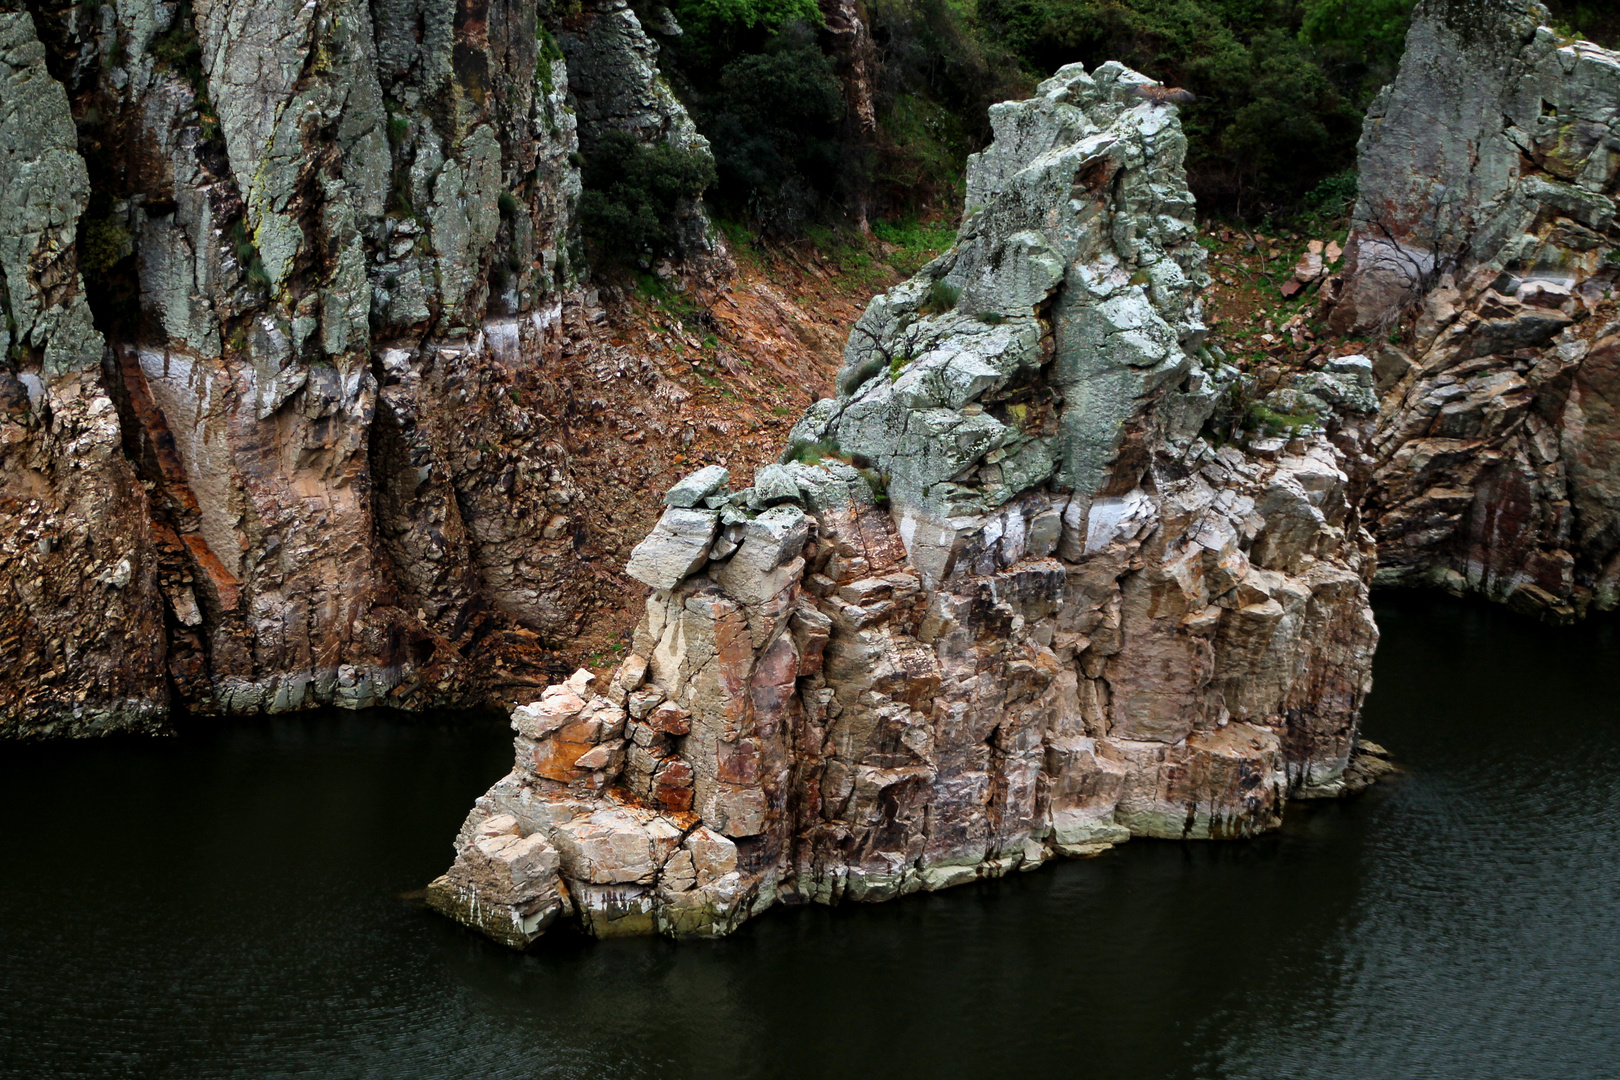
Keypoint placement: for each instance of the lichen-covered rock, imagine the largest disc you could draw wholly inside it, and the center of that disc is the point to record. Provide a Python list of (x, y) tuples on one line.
[(1042, 615), (1486, 227), (81, 621), (329, 244)]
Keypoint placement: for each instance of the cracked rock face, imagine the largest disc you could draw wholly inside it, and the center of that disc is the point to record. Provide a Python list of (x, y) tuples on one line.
[(81, 642), (331, 238), (1487, 219), (1000, 602)]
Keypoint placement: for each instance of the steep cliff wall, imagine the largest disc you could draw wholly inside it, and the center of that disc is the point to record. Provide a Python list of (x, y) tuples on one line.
[(1000, 601), (1486, 229), (325, 418), (81, 639)]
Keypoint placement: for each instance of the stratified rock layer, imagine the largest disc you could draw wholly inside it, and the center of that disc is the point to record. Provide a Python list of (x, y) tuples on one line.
[(999, 602), (1486, 227)]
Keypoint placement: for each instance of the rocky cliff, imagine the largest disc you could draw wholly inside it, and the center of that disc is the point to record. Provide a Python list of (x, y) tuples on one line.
[(1485, 235), (1001, 600), (303, 401)]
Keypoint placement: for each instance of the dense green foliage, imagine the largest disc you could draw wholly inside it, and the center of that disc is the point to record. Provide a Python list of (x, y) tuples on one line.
[(774, 127), (767, 85), (719, 30), (1282, 86), (633, 196)]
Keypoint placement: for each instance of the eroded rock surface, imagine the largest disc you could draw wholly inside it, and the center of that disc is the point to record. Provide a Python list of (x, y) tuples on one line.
[(81, 624), (317, 452), (1486, 228), (999, 602)]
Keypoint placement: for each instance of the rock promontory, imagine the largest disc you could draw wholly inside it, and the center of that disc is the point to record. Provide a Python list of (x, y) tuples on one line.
[(1006, 598)]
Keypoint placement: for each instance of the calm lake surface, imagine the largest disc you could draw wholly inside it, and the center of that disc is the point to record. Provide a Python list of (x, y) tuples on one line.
[(228, 904)]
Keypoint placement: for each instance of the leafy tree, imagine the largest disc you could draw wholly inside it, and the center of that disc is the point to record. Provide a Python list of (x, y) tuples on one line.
[(717, 30), (633, 195), (774, 127), (1358, 42)]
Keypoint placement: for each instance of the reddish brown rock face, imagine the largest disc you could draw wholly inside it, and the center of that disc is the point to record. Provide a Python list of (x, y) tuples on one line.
[(329, 383)]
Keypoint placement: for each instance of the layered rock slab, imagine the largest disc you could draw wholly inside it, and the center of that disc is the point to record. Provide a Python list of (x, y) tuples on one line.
[(1485, 230), (999, 602)]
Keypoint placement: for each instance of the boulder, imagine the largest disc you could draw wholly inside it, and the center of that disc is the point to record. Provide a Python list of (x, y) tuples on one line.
[(677, 547)]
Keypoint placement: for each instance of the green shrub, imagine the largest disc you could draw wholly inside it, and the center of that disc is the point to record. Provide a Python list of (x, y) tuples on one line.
[(715, 30), (942, 297), (813, 453), (878, 484), (633, 194), (178, 48), (1265, 420)]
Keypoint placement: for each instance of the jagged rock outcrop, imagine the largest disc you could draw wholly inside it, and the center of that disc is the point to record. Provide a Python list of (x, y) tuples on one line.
[(1000, 601), (1486, 221), (619, 88), (295, 455)]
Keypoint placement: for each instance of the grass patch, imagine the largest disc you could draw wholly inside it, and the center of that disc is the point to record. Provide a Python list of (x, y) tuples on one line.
[(1264, 420), (941, 298), (918, 244)]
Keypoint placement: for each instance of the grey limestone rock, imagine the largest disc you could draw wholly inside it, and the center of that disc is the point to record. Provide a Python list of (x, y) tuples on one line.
[(698, 486), (677, 546), (43, 189), (1077, 256)]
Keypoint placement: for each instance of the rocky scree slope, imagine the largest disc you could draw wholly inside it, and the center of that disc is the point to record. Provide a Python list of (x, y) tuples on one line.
[(300, 402), (1486, 232), (1000, 600)]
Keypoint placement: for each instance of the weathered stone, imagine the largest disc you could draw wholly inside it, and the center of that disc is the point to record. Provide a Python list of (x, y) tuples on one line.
[(1482, 224), (677, 547), (698, 486), (1055, 636)]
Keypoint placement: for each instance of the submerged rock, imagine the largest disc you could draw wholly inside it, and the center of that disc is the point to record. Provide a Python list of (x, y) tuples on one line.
[(1486, 225), (1001, 601)]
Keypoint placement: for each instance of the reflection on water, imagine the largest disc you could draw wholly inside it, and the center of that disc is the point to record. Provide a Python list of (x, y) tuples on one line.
[(228, 904)]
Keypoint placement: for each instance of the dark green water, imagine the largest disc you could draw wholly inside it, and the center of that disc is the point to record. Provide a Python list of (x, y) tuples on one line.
[(227, 905)]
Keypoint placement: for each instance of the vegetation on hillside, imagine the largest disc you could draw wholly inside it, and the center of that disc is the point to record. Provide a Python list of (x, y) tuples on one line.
[(1282, 86)]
